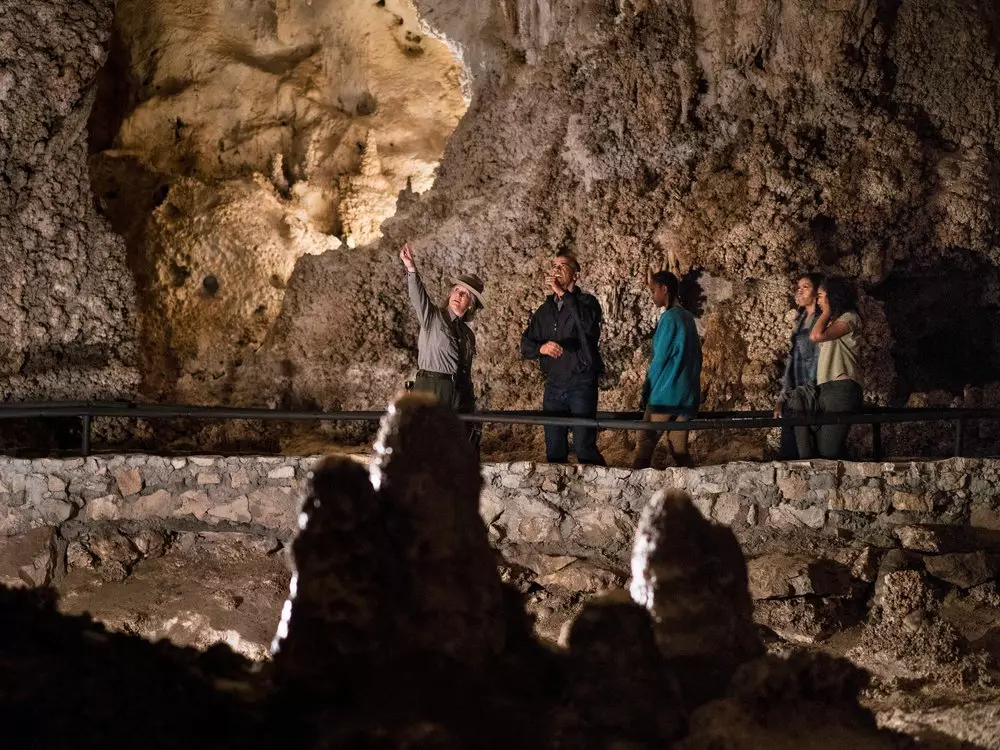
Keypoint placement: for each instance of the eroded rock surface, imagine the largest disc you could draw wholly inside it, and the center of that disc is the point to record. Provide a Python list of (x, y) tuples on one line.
[(690, 574), (719, 140), (67, 304), (231, 140)]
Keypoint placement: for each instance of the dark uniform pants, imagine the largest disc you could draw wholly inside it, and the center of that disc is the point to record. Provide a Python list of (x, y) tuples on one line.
[(455, 391)]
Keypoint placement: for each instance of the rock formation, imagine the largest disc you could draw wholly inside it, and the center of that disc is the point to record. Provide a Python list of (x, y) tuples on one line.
[(398, 634), (729, 142), (67, 307), (230, 140), (690, 574)]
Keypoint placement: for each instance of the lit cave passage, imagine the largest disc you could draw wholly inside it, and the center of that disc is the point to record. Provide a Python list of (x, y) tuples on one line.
[(229, 140), (205, 204)]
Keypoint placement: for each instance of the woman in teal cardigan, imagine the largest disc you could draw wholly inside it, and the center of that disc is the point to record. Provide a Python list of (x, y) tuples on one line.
[(672, 390)]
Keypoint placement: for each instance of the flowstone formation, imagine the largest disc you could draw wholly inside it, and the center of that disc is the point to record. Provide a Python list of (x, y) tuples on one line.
[(229, 140), (737, 143), (398, 633), (67, 302)]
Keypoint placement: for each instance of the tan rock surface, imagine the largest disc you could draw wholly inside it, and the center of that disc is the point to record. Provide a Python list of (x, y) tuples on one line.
[(231, 140), (718, 141)]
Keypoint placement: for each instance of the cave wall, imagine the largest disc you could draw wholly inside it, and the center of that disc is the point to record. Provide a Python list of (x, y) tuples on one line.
[(231, 139), (745, 142), (67, 298), (247, 154)]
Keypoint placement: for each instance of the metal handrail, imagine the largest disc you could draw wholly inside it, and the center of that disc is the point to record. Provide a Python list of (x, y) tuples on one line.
[(709, 420)]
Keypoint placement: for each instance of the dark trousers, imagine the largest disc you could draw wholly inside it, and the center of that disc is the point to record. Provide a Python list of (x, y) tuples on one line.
[(830, 440), (788, 448), (576, 398), (455, 392)]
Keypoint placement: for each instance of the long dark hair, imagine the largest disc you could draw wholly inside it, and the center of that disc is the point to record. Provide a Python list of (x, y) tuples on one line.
[(841, 295)]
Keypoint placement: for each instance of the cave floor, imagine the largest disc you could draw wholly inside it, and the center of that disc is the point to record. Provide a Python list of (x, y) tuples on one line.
[(212, 587), (218, 587)]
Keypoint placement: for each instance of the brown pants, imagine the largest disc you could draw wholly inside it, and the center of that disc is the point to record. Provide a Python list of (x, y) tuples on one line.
[(677, 442)]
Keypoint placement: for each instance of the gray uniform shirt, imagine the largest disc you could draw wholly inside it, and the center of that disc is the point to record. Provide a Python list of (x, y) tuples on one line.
[(446, 343)]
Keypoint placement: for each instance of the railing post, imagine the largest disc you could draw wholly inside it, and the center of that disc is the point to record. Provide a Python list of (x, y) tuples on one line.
[(85, 438), (877, 452), (959, 429)]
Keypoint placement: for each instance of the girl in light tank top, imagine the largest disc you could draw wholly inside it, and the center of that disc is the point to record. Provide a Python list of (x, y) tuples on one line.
[(838, 372)]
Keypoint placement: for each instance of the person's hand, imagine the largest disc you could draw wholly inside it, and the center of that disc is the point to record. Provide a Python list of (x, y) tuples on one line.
[(406, 255), (823, 301), (555, 286), (777, 411), (551, 349)]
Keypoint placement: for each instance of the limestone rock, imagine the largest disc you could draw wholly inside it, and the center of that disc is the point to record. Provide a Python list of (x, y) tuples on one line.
[(865, 565), (581, 576), (112, 546), (129, 481), (690, 574), (865, 499), (237, 511), (112, 571), (151, 543), (614, 664), (67, 300), (964, 570), (282, 472), (788, 516), (808, 619), (30, 559), (159, 504), (101, 509), (938, 538), (920, 503), (78, 556), (54, 511), (428, 485), (334, 608), (527, 556), (805, 700), (893, 561), (780, 575), (195, 503), (906, 625), (222, 185), (393, 565), (273, 507)]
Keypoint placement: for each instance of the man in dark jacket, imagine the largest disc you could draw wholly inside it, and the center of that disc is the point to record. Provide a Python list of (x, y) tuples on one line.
[(564, 334)]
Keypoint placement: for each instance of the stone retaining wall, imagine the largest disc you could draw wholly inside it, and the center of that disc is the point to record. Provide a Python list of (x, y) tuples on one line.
[(558, 510), (259, 493), (592, 511)]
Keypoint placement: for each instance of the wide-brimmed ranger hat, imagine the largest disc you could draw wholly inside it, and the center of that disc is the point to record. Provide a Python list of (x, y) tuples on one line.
[(473, 285)]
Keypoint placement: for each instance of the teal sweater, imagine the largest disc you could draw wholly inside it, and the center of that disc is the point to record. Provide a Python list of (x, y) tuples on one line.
[(673, 380)]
